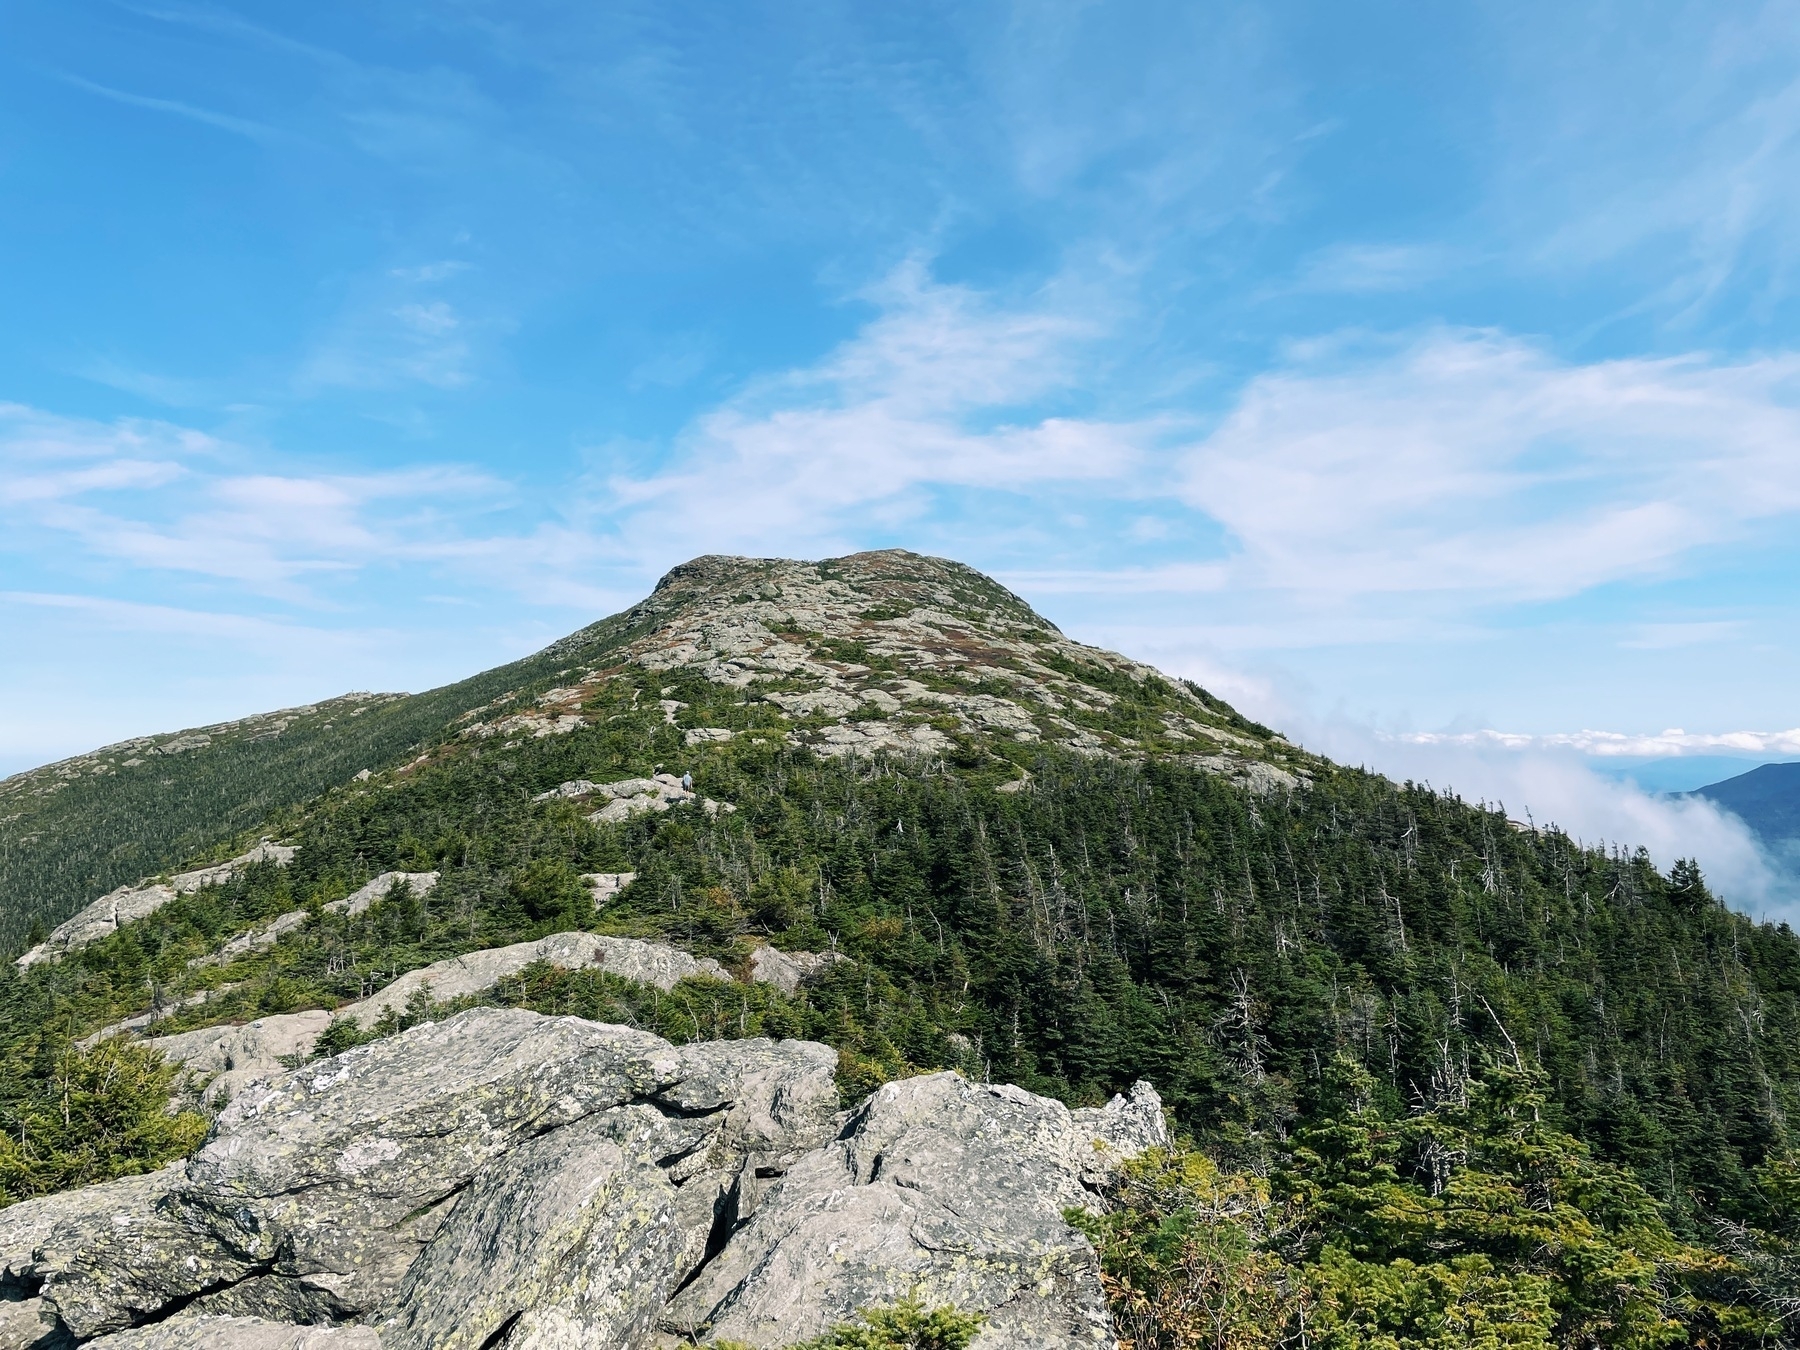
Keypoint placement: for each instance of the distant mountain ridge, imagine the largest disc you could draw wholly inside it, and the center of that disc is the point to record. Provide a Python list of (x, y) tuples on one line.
[(1767, 799)]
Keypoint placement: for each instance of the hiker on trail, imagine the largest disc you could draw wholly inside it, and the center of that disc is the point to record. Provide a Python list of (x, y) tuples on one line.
[(687, 782)]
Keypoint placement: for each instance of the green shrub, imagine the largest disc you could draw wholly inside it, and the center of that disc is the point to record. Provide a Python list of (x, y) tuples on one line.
[(81, 1116), (907, 1325)]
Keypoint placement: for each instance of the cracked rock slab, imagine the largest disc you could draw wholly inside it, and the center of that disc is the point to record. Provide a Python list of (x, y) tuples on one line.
[(568, 1240), (939, 1187), (331, 1175), (318, 1189), (238, 1333), (419, 883), (790, 971), (129, 903)]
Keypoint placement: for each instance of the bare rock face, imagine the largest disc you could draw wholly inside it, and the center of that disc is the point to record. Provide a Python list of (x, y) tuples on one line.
[(122, 906), (318, 1190), (569, 1239), (790, 971), (419, 883), (507, 1178), (939, 1187), (629, 958), (31, 1226), (238, 1333), (231, 1057), (606, 886)]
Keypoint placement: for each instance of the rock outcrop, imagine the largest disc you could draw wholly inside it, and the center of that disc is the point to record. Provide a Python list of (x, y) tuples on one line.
[(891, 652), (629, 958), (505, 1177), (238, 1333), (103, 917), (419, 883), (790, 971), (607, 885), (229, 1057), (937, 1187)]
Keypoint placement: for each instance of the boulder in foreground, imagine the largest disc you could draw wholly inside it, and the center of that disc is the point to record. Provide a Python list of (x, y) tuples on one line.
[(505, 1178)]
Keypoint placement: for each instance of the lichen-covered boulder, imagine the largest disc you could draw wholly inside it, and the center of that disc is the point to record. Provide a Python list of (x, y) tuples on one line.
[(545, 1182), (790, 971), (227, 1058), (568, 1240), (319, 1187), (36, 1236), (238, 1333), (938, 1187)]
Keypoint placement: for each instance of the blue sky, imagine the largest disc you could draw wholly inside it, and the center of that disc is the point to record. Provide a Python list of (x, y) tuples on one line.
[(1425, 378)]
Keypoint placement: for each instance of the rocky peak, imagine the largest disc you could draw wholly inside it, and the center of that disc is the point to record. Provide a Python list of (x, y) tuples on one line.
[(891, 651)]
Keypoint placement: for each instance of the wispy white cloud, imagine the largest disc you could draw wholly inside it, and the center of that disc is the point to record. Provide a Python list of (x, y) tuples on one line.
[(1551, 781), (940, 391), (126, 616), (196, 508), (237, 126), (1480, 465), (387, 342), (1367, 269), (1683, 150)]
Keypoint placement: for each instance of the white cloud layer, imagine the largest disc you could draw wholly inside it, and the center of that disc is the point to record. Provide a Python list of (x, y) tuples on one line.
[(1548, 781), (1616, 744)]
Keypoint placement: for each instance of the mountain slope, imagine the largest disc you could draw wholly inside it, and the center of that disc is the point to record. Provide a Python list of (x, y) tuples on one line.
[(1767, 799), (1042, 863), (76, 829)]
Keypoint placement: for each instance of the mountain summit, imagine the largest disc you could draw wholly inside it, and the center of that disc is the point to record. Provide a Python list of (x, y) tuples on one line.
[(893, 651), (881, 651)]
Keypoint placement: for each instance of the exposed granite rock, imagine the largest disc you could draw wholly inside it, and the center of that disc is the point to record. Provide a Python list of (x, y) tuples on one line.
[(27, 1225), (26, 1322), (533, 724), (865, 738), (419, 883), (830, 702), (228, 1057), (628, 958), (334, 1175), (149, 1018), (579, 787), (122, 906), (233, 1056), (504, 1177), (634, 796), (568, 1240), (238, 1333), (1255, 774), (317, 1191), (607, 885), (936, 1186), (934, 648), (790, 971), (256, 940)]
